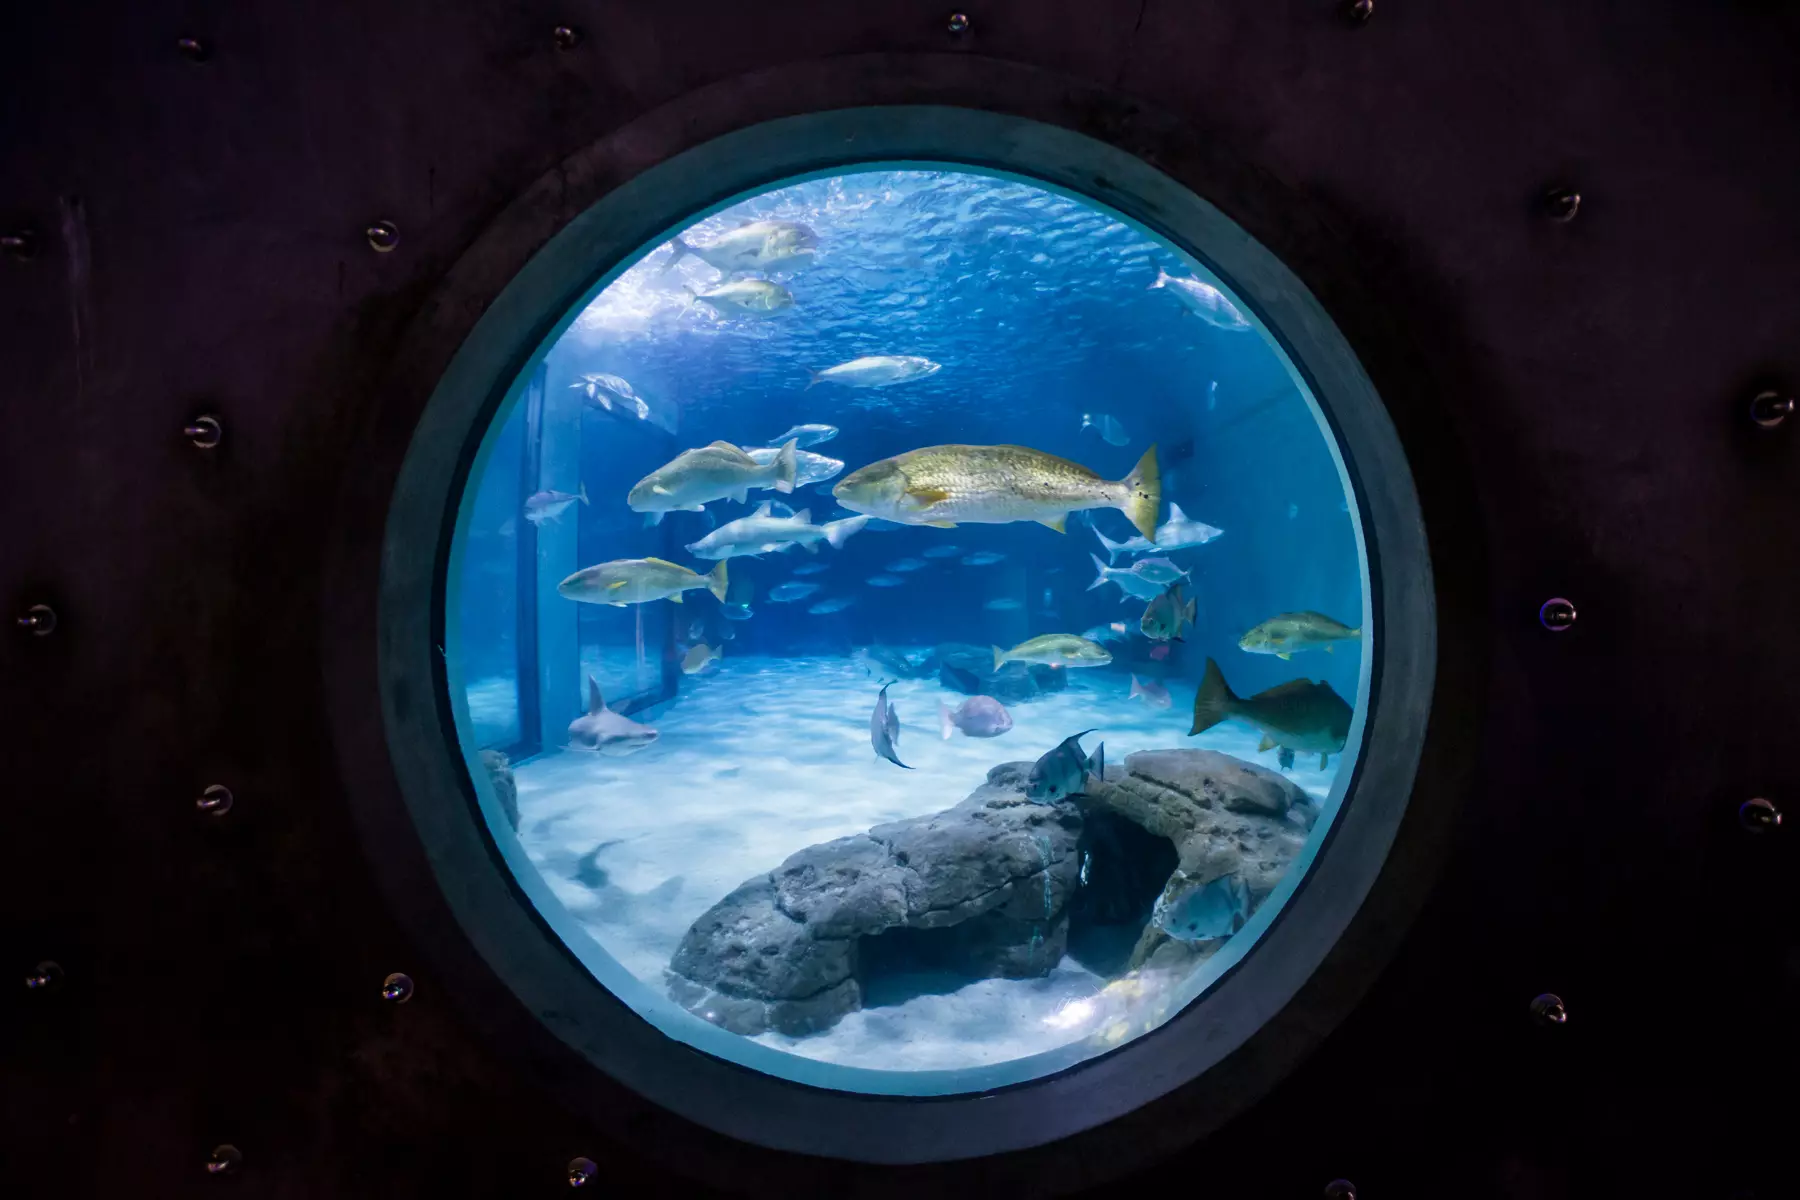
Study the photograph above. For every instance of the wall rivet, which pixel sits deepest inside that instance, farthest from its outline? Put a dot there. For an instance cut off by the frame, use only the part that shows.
(1759, 815)
(193, 49)
(1771, 409)
(397, 988)
(1562, 203)
(204, 431)
(566, 37)
(44, 976)
(959, 23)
(38, 620)
(1548, 1009)
(383, 236)
(1557, 614)
(1358, 12)
(1340, 1189)
(216, 799)
(21, 244)
(225, 1159)
(582, 1171)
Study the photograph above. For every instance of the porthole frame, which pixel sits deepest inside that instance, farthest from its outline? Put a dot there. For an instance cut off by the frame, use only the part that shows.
(1225, 1048)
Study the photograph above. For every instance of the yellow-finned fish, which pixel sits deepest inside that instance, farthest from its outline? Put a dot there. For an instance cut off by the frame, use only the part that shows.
(695, 478)
(1055, 650)
(991, 485)
(700, 657)
(638, 581)
(1290, 633)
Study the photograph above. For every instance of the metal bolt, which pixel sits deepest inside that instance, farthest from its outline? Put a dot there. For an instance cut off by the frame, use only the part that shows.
(193, 49)
(397, 988)
(216, 799)
(959, 23)
(22, 244)
(1340, 1189)
(205, 431)
(225, 1159)
(566, 37)
(39, 620)
(1770, 409)
(383, 236)
(582, 1171)
(1548, 1010)
(1557, 614)
(1358, 12)
(44, 976)
(1562, 203)
(1759, 815)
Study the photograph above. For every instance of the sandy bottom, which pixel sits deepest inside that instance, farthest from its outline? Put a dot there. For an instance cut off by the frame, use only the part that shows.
(766, 756)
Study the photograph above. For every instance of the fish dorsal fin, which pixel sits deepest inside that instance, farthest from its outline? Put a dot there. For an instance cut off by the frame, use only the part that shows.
(1292, 687)
(663, 562)
(1175, 513)
(762, 510)
(804, 516)
(722, 445)
(596, 702)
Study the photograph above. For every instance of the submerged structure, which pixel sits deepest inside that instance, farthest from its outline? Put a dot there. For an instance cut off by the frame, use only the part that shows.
(843, 584)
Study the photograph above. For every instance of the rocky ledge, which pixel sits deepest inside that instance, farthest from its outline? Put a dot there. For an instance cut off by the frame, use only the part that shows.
(986, 889)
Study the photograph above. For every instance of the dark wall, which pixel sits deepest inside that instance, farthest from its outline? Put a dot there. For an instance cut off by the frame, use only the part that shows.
(200, 248)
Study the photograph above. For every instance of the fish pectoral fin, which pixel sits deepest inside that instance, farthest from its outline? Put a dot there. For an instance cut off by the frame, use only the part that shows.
(1268, 743)
(1324, 761)
(1284, 656)
(615, 585)
(675, 599)
(1329, 646)
(940, 524)
(924, 497)
(1057, 523)
(659, 489)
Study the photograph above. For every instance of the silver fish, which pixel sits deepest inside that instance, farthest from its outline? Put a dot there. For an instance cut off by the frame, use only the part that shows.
(549, 505)
(1204, 301)
(1064, 771)
(1004, 604)
(607, 732)
(1129, 582)
(811, 569)
(808, 467)
(1135, 544)
(983, 558)
(885, 581)
(884, 729)
(746, 298)
(755, 246)
(1181, 533)
(807, 435)
(902, 565)
(877, 370)
(697, 477)
(835, 604)
(784, 593)
(762, 532)
(943, 552)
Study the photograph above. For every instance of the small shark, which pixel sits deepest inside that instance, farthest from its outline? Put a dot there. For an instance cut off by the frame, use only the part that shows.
(605, 731)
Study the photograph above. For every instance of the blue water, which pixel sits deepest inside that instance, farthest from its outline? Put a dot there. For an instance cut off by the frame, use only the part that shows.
(1039, 310)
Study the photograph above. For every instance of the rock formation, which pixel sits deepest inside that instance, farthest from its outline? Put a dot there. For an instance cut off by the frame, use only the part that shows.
(981, 890)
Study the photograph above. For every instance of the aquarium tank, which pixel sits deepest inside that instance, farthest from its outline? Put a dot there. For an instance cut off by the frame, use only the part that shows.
(908, 627)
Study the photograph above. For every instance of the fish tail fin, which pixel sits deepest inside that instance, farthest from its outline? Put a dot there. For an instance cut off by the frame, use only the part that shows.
(715, 582)
(682, 250)
(1111, 547)
(1099, 572)
(944, 723)
(839, 532)
(785, 464)
(1162, 277)
(1214, 701)
(1193, 606)
(582, 493)
(1136, 689)
(1143, 494)
(999, 658)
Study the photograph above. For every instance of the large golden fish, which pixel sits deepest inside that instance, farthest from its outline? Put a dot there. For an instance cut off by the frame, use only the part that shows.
(991, 485)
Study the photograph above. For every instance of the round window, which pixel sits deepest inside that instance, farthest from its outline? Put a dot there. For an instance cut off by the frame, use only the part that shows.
(910, 628)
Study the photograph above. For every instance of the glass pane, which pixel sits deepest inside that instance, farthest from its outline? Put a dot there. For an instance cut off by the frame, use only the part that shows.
(949, 624)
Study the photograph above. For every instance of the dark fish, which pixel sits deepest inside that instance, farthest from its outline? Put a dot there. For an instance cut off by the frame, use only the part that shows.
(1064, 771)
(1297, 715)
(1167, 615)
(884, 729)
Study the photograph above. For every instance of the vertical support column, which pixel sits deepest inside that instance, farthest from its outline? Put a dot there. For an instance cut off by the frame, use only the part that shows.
(557, 438)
